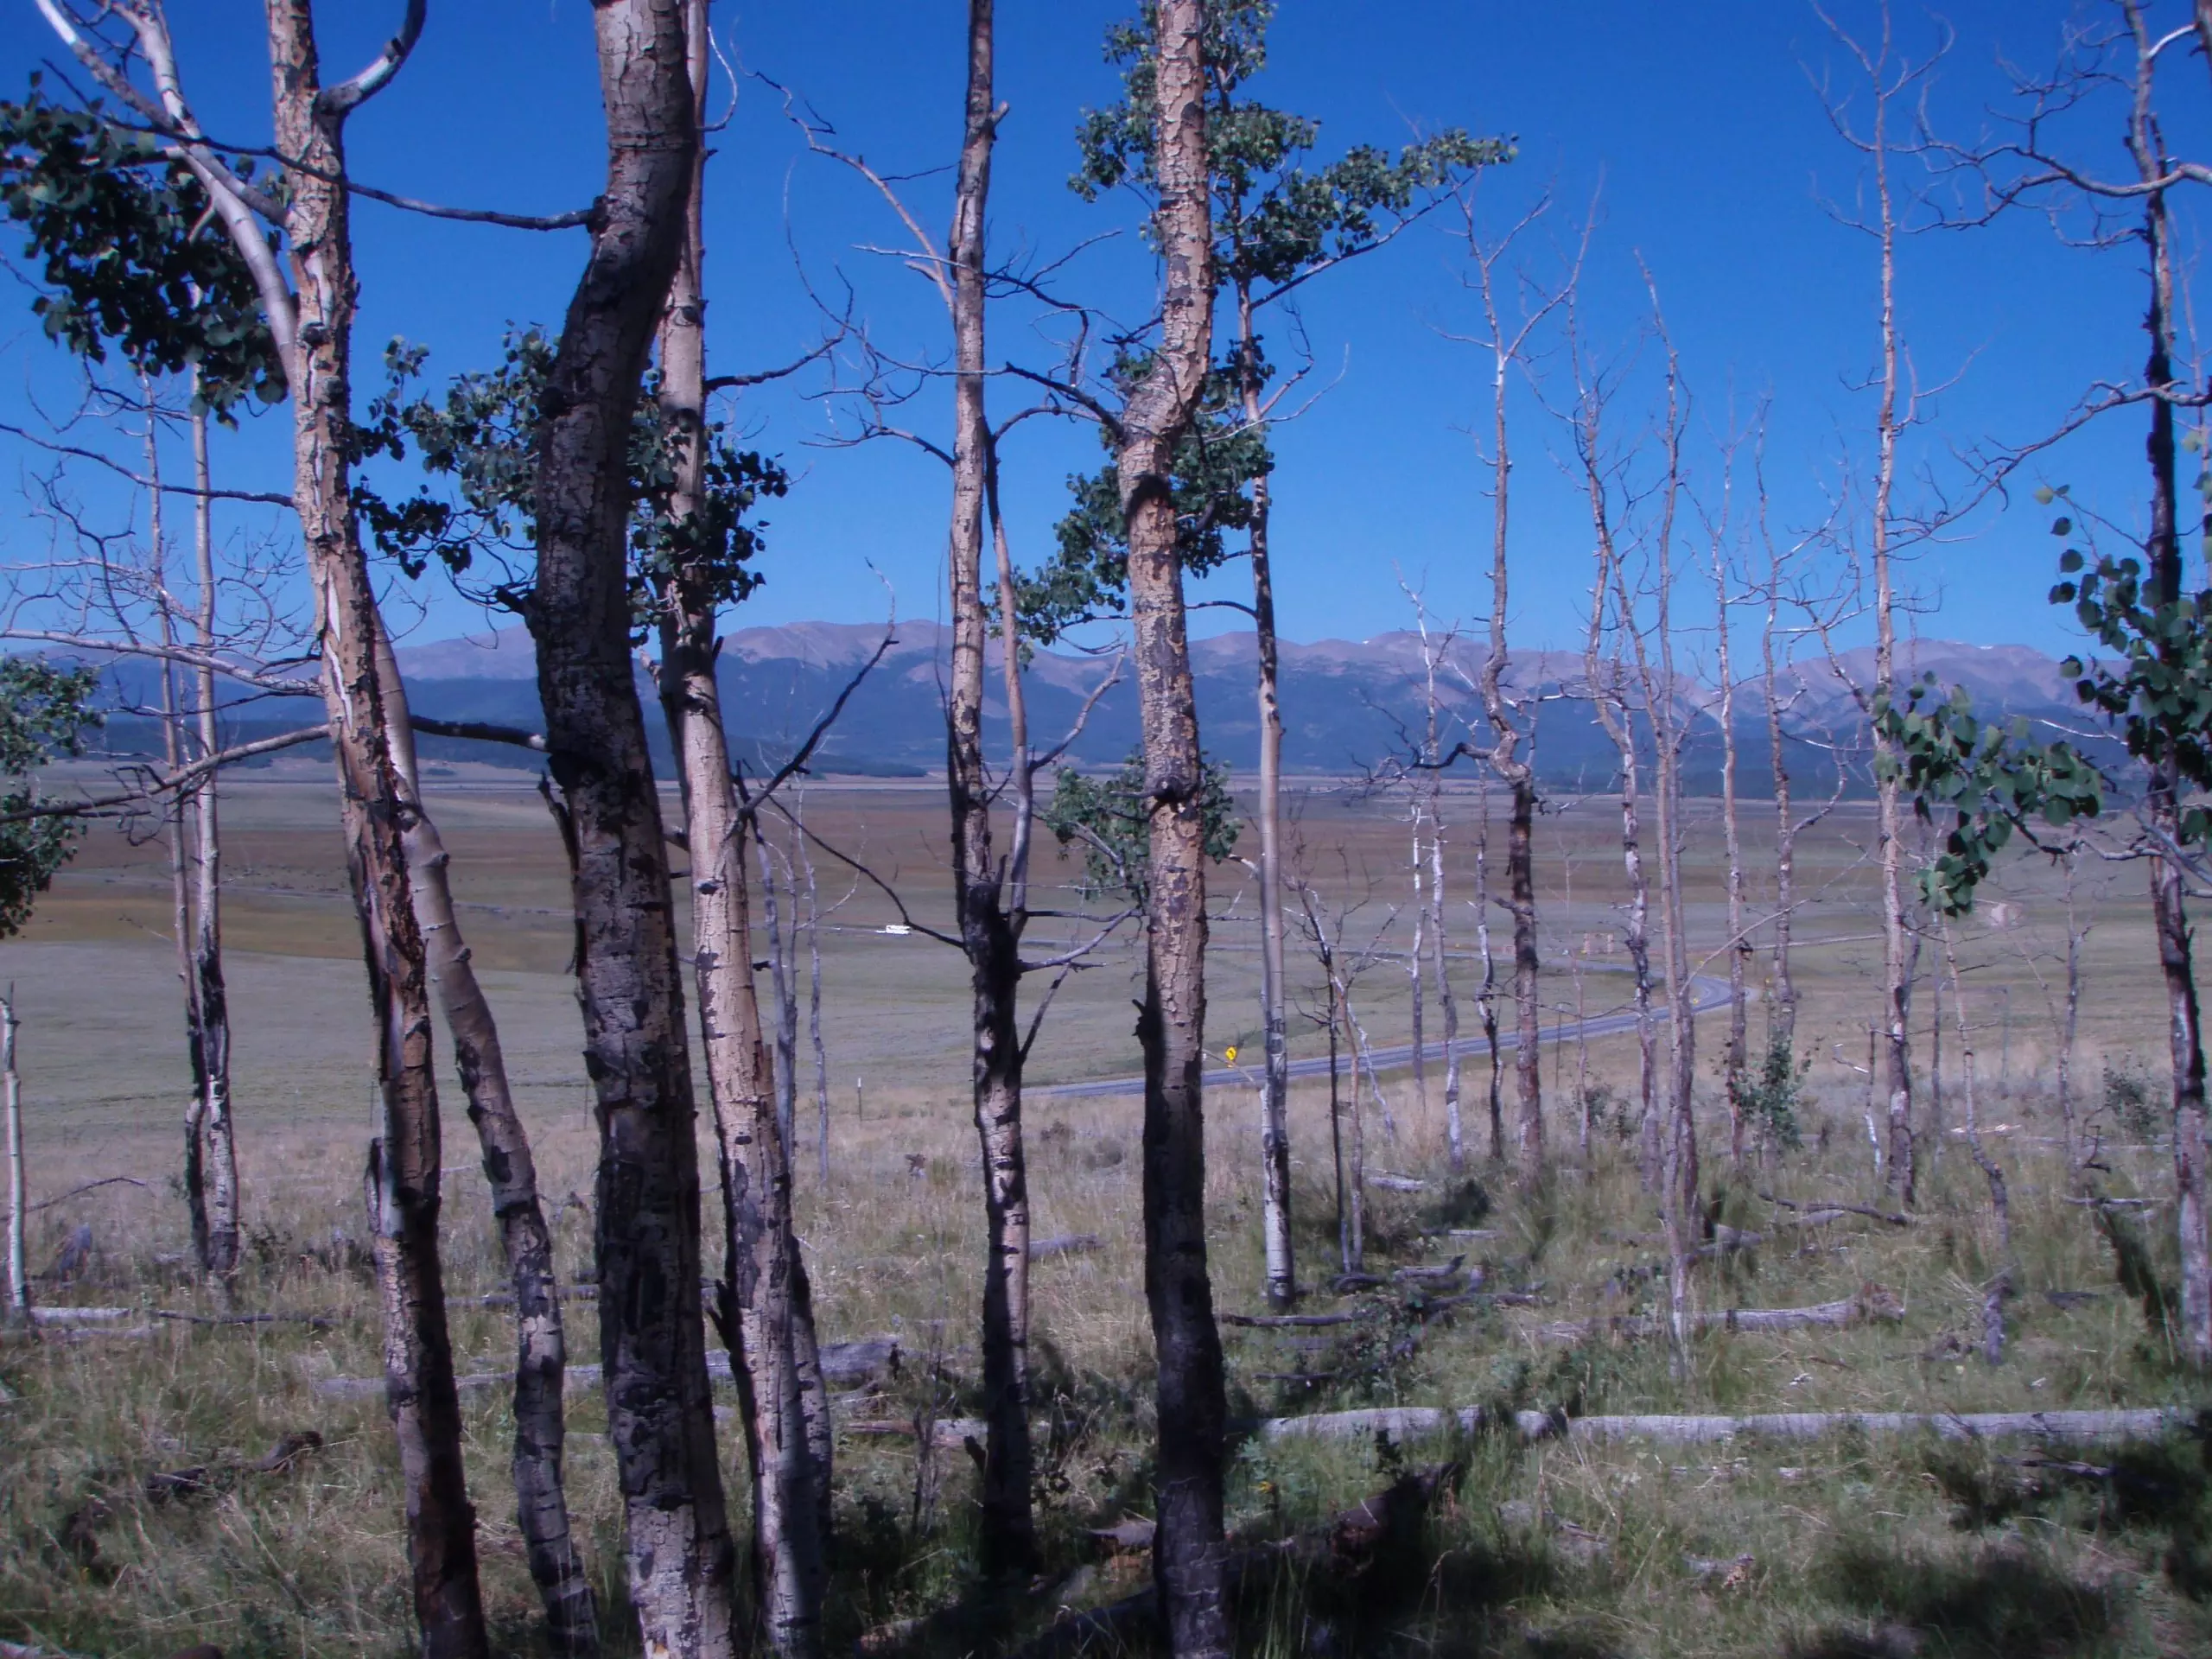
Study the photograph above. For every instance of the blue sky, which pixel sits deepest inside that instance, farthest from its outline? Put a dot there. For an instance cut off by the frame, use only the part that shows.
(1696, 129)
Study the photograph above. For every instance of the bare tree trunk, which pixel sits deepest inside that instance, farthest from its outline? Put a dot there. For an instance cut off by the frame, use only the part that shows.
(1735, 1057)
(1432, 784)
(1678, 1189)
(1527, 1055)
(1413, 963)
(1188, 1554)
(780, 980)
(1937, 1126)
(1486, 996)
(1454, 1136)
(211, 1013)
(1782, 1005)
(1608, 695)
(556, 1567)
(1514, 770)
(1999, 1288)
(1356, 1164)
(2162, 804)
(1896, 974)
(652, 1337)
(12, 1102)
(180, 823)
(2071, 1023)
(764, 1310)
(1663, 706)
(1336, 1135)
(990, 932)
(1275, 1093)
(405, 1162)
(814, 1018)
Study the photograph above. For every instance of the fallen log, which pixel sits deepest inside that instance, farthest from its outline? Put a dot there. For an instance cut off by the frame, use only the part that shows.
(1828, 1209)
(1417, 1275)
(80, 1315)
(1403, 1423)
(89, 1187)
(1065, 1244)
(851, 1364)
(1293, 1321)
(1871, 1303)
(319, 1321)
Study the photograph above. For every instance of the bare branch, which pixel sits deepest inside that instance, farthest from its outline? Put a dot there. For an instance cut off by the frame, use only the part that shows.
(349, 95)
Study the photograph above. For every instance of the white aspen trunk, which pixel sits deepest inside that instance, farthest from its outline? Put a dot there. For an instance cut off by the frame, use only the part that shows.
(1275, 1093)
(1896, 976)
(211, 998)
(538, 1458)
(764, 1306)
(1998, 1288)
(12, 1102)
(1735, 1056)
(1190, 1552)
(180, 820)
(1782, 1005)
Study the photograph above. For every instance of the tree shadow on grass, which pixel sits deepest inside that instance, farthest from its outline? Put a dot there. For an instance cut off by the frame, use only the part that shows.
(2001, 1604)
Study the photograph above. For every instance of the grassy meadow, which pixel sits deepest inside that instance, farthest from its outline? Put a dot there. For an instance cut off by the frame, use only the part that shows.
(1848, 1545)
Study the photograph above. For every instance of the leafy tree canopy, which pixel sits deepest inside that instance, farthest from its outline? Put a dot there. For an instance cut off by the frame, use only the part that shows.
(1276, 216)
(481, 435)
(45, 712)
(1215, 461)
(1989, 780)
(130, 254)
(1112, 817)
(1278, 219)
(2156, 685)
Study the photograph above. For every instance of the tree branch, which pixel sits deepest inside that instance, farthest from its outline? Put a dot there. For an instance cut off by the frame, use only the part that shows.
(264, 497)
(349, 95)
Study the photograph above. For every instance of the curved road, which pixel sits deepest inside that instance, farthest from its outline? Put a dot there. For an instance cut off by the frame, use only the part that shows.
(1708, 993)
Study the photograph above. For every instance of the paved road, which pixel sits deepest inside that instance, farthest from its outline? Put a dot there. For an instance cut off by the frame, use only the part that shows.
(1709, 992)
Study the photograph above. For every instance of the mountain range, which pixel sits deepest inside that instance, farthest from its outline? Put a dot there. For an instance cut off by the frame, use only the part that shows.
(1348, 705)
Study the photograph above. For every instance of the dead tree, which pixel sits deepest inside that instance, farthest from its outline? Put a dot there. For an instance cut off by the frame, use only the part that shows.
(1999, 1289)
(1782, 997)
(1663, 709)
(211, 1172)
(1607, 683)
(211, 1142)
(1889, 79)
(11, 1105)
(1486, 992)
(992, 896)
(992, 901)
(1429, 778)
(1735, 1055)
(1508, 714)
(1322, 927)
(763, 1300)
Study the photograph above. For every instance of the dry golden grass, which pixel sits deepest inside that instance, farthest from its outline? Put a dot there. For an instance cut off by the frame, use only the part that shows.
(1857, 1547)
